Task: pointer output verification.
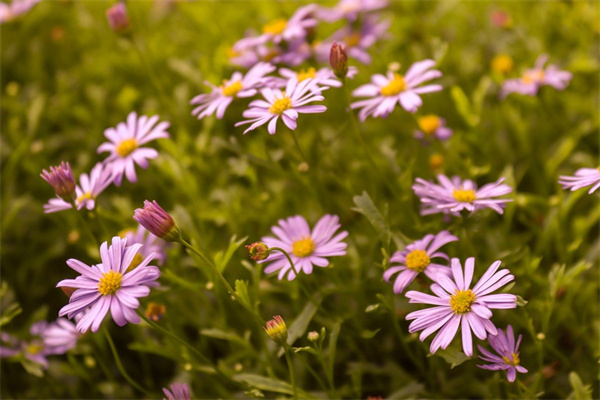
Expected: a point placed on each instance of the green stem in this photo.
(85, 223)
(285, 253)
(299, 147)
(288, 358)
(121, 368)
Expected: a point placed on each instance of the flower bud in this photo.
(157, 221)
(117, 17)
(155, 311)
(61, 179)
(338, 60)
(258, 251)
(313, 336)
(276, 330)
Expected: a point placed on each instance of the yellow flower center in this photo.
(280, 105)
(275, 27)
(231, 89)
(85, 196)
(395, 86)
(231, 53)
(352, 39)
(533, 76)
(110, 282)
(515, 359)
(34, 348)
(310, 73)
(126, 147)
(303, 247)
(428, 124)
(464, 196)
(461, 301)
(502, 63)
(137, 260)
(417, 260)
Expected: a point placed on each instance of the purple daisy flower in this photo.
(323, 76)
(62, 181)
(125, 142)
(385, 92)
(305, 248)
(109, 285)
(33, 349)
(239, 86)
(179, 391)
(453, 196)
(457, 304)
(150, 244)
(432, 126)
(289, 30)
(60, 336)
(583, 177)
(286, 105)
(349, 9)
(416, 258)
(536, 77)
(508, 354)
(88, 189)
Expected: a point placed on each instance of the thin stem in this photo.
(83, 221)
(288, 358)
(299, 148)
(121, 368)
(285, 253)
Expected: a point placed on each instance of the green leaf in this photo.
(452, 356)
(365, 206)
(223, 335)
(222, 259)
(11, 311)
(300, 324)
(333, 337)
(32, 367)
(241, 289)
(463, 106)
(410, 390)
(366, 334)
(307, 349)
(269, 384)
(580, 391)
(372, 307)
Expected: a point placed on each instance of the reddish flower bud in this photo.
(338, 60)
(258, 251)
(61, 179)
(117, 17)
(277, 330)
(157, 221)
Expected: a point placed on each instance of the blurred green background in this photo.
(66, 77)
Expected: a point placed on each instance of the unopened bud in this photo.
(117, 17)
(338, 60)
(157, 221)
(258, 251)
(61, 179)
(313, 336)
(277, 330)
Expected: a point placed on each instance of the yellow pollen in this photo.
(110, 282)
(303, 247)
(352, 39)
(502, 63)
(85, 196)
(281, 105)
(275, 27)
(137, 260)
(126, 147)
(34, 348)
(417, 260)
(533, 76)
(395, 86)
(515, 359)
(428, 124)
(464, 196)
(231, 89)
(461, 301)
(310, 73)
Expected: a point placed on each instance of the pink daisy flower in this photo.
(323, 76)
(456, 304)
(10, 11)
(239, 86)
(416, 258)
(385, 92)
(125, 142)
(507, 354)
(285, 104)
(536, 77)
(432, 126)
(32, 349)
(295, 28)
(150, 244)
(111, 285)
(583, 177)
(349, 9)
(60, 336)
(88, 189)
(305, 247)
(179, 391)
(453, 196)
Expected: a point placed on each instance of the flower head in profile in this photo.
(454, 195)
(305, 247)
(150, 244)
(283, 104)
(276, 329)
(156, 220)
(432, 126)
(583, 177)
(62, 181)
(535, 78)
(238, 86)
(416, 258)
(458, 305)
(125, 143)
(60, 336)
(111, 285)
(179, 391)
(507, 354)
(90, 186)
(386, 91)
(32, 349)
